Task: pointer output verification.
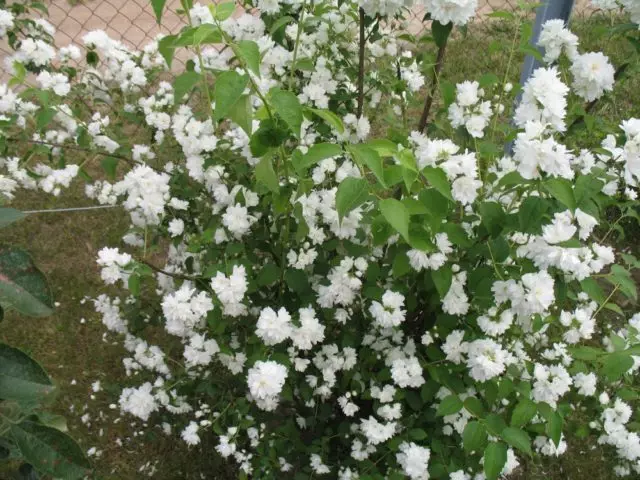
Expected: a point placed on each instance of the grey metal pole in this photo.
(549, 10)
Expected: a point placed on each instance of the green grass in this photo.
(64, 245)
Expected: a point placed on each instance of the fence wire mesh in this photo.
(133, 21)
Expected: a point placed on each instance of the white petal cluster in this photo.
(414, 460)
(185, 310)
(231, 291)
(469, 111)
(458, 12)
(266, 380)
(113, 264)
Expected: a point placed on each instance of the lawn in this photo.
(71, 345)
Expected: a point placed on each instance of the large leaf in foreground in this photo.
(21, 378)
(22, 286)
(50, 451)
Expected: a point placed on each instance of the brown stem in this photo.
(169, 274)
(361, 66)
(434, 85)
(72, 147)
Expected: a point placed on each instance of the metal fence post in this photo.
(549, 10)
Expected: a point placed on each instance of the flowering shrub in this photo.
(325, 300)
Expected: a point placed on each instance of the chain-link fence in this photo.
(133, 21)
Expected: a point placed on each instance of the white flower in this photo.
(266, 380)
(139, 402)
(593, 75)
(554, 38)
(446, 11)
(176, 227)
(273, 327)
(231, 290)
(190, 434)
(390, 312)
(58, 82)
(585, 383)
(414, 460)
(375, 431)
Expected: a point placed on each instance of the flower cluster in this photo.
(326, 302)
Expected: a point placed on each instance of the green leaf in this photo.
(22, 286)
(249, 53)
(616, 364)
(449, 405)
(50, 451)
(474, 437)
(561, 190)
(553, 428)
(442, 279)
(441, 32)
(288, 107)
(531, 212)
(110, 165)
(268, 275)
(44, 117)
(158, 7)
(352, 192)
(184, 83)
(493, 217)
(621, 277)
(222, 11)
(591, 287)
(333, 120)
(417, 434)
(167, 48)
(396, 214)
(241, 113)
(281, 22)
(523, 413)
(438, 179)
(229, 88)
(474, 406)
(9, 216)
(315, 154)
(495, 458)
(22, 379)
(266, 175)
(364, 155)
(517, 438)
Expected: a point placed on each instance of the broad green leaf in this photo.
(22, 286)
(449, 405)
(495, 458)
(158, 7)
(517, 438)
(281, 22)
(21, 378)
(531, 212)
(333, 120)
(249, 53)
(288, 107)
(621, 277)
(442, 279)
(315, 154)
(616, 364)
(222, 11)
(474, 407)
(474, 437)
(352, 192)
(561, 190)
(385, 147)
(493, 217)
(591, 287)
(417, 434)
(50, 451)
(396, 214)
(9, 216)
(523, 413)
(266, 175)
(241, 113)
(553, 429)
(441, 32)
(167, 48)
(110, 165)
(438, 180)
(364, 155)
(184, 83)
(229, 88)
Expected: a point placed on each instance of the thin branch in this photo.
(169, 274)
(361, 66)
(73, 147)
(434, 85)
